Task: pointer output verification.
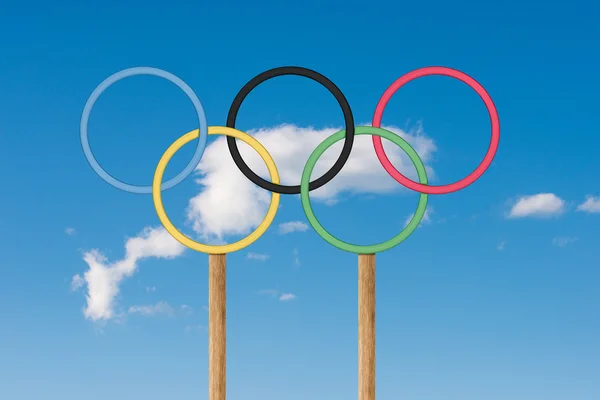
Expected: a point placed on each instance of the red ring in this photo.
(473, 176)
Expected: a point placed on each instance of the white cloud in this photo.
(103, 278)
(287, 297)
(70, 231)
(161, 308)
(501, 245)
(563, 241)
(425, 220)
(257, 256)
(296, 257)
(77, 282)
(538, 205)
(292, 226)
(230, 204)
(590, 205)
(187, 310)
(150, 310)
(150, 289)
(281, 296)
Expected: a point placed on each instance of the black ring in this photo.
(315, 76)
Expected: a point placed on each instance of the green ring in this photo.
(354, 248)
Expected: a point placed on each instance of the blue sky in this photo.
(474, 305)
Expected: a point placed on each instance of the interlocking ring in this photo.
(87, 109)
(306, 185)
(353, 248)
(180, 237)
(217, 322)
(315, 76)
(473, 176)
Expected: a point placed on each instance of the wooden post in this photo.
(217, 325)
(366, 327)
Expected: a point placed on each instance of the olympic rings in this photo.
(125, 74)
(491, 152)
(315, 76)
(180, 237)
(353, 248)
(306, 184)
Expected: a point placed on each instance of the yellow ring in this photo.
(180, 237)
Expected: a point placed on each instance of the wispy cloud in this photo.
(160, 308)
(426, 217)
(292, 226)
(296, 257)
(257, 256)
(229, 204)
(590, 205)
(538, 205)
(501, 245)
(281, 296)
(70, 231)
(287, 297)
(103, 279)
(563, 241)
(77, 282)
(187, 310)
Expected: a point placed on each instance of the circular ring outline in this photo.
(323, 81)
(353, 248)
(492, 148)
(83, 128)
(180, 237)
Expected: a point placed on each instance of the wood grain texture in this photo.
(217, 317)
(366, 327)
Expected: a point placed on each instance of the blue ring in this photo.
(133, 72)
